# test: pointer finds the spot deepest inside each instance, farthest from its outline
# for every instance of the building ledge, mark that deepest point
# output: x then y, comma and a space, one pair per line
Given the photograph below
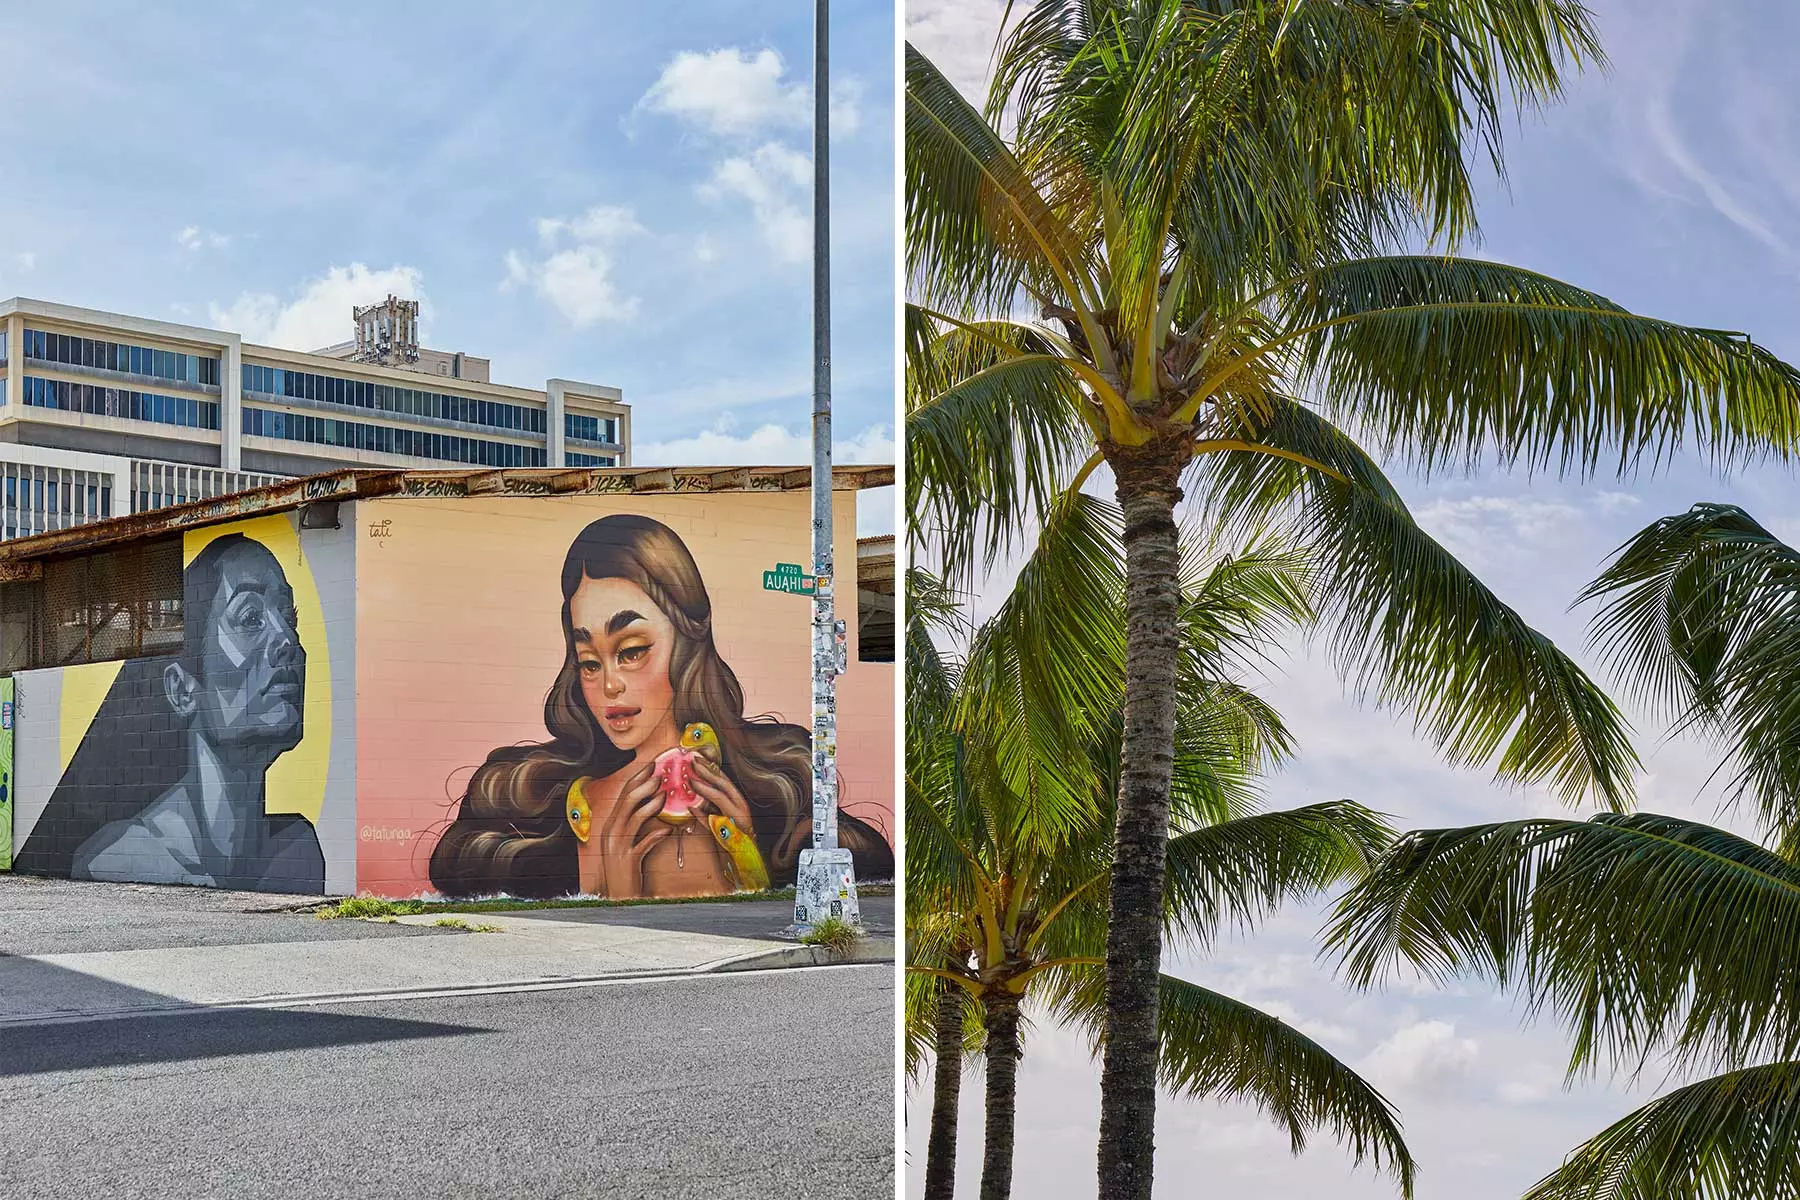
520, 482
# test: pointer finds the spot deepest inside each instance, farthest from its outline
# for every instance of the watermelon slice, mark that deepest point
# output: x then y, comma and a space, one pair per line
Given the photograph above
674, 771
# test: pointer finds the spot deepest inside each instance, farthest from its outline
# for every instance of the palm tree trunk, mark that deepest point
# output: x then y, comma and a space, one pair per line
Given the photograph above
1148, 491
1002, 1021
946, 1094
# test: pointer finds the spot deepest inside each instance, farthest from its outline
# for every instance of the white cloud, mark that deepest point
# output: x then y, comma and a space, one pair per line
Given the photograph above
27, 260
1424, 1056
776, 181
765, 446
192, 238
729, 92
320, 315
576, 271
1661, 127
601, 223
846, 106
772, 446
958, 36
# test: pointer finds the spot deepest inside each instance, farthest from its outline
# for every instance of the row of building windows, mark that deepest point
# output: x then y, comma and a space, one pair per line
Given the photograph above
121, 402
385, 439
360, 393
591, 429
589, 460
38, 497
117, 356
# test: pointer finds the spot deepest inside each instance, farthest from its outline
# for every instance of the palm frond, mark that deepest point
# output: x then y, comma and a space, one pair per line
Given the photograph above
1048, 666
977, 227
934, 933
1223, 1049
1284, 132
1724, 1138
992, 431
1443, 360
1414, 629
1702, 615
1643, 933
1237, 871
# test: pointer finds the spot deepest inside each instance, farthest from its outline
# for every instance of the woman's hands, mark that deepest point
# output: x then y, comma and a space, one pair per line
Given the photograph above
628, 833
614, 856
715, 788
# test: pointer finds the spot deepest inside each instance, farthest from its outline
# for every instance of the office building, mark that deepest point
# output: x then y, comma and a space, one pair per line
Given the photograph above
103, 414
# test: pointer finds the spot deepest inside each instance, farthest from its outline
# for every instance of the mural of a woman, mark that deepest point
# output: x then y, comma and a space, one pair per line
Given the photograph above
591, 810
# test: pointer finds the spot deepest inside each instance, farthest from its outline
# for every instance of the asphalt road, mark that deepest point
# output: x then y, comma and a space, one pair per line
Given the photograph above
63, 916
699, 1087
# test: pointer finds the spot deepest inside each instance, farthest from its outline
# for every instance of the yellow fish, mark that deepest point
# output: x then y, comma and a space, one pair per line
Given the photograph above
581, 817
752, 874
700, 738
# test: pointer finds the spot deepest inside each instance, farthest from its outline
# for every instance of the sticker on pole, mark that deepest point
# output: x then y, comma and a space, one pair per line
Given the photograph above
787, 577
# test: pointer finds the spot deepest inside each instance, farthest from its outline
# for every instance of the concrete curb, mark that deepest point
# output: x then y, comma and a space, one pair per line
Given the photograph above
870, 950
866, 950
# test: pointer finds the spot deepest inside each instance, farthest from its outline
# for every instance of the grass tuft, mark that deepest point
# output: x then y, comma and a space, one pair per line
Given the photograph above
834, 933
369, 906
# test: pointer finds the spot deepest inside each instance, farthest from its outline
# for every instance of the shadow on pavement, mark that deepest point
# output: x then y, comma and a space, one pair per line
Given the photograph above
49, 1003
192, 1036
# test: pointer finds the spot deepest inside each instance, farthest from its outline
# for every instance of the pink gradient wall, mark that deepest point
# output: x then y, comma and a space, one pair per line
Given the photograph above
458, 639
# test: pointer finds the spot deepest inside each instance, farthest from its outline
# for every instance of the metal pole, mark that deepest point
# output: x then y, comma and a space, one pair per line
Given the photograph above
824, 611
827, 884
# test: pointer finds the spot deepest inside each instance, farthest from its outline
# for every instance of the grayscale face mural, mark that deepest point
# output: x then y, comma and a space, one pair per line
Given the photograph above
168, 784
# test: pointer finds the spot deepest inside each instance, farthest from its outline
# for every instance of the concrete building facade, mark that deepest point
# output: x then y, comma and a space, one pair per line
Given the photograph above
180, 412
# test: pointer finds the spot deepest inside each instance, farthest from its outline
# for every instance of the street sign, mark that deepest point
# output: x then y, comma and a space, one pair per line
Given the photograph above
789, 569
783, 581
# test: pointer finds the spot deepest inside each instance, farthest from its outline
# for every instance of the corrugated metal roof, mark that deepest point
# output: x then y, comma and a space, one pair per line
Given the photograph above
366, 484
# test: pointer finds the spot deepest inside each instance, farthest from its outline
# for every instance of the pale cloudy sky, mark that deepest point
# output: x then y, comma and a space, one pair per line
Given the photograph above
609, 191
1672, 185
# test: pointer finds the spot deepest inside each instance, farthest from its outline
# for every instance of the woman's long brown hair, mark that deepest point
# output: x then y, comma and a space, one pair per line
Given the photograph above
510, 834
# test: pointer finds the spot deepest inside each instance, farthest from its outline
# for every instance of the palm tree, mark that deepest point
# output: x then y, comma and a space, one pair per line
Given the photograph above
1703, 612
1199, 202
1012, 766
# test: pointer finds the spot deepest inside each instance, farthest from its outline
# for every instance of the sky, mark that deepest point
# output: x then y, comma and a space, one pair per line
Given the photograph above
608, 191
1671, 184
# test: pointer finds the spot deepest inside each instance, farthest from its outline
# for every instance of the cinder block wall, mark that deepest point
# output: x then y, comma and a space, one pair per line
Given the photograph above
108, 765
460, 639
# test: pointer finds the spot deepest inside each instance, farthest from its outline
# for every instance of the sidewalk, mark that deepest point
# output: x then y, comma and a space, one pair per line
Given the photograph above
71, 951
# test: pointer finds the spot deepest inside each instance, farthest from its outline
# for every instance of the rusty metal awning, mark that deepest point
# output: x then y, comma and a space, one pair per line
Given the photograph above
375, 483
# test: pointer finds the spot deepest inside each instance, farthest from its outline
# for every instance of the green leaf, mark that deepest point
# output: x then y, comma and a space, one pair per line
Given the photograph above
1731, 1137
1239, 870
976, 226
1223, 1049
1446, 360
989, 431
1415, 629
1645, 934
1702, 616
